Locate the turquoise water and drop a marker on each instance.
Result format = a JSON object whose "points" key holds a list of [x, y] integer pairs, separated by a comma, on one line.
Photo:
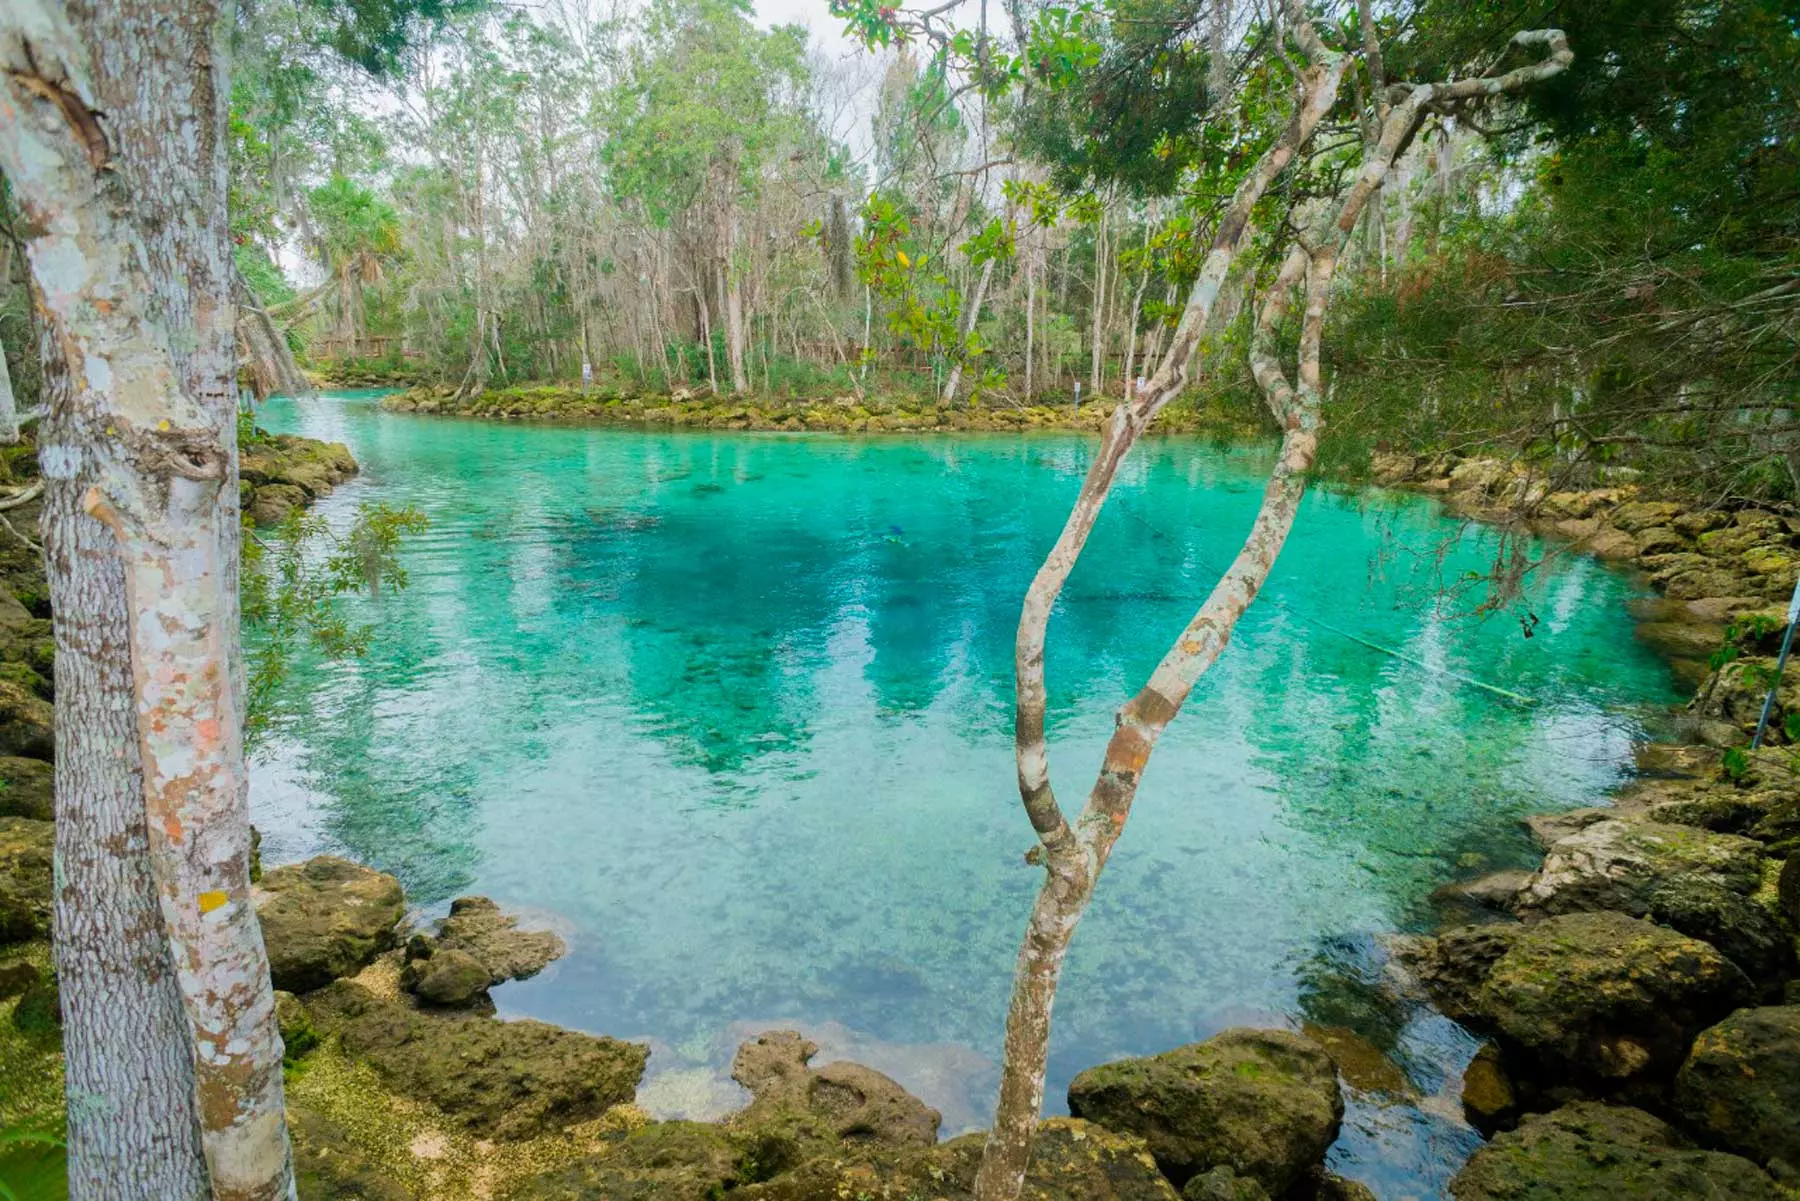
{"points": [[733, 711]]}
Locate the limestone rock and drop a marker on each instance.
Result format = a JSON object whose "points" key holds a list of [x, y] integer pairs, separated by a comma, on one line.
{"points": [[325, 918], [1787, 890], [16, 978], [1547, 829], [271, 503], [479, 927], [297, 1033], [329, 1164], [1637, 515], [27, 723], [25, 788], [1264, 1103], [1617, 864], [507, 1080], [664, 1161], [1488, 1099], [1586, 1151], [1223, 1184], [1600, 999], [1740, 1086], [1659, 540], [798, 1111], [1748, 934], [1778, 826], [449, 978], [1071, 1160], [26, 848]]}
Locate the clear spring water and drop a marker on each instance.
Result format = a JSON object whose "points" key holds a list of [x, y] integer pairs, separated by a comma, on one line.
{"points": [[733, 710]]}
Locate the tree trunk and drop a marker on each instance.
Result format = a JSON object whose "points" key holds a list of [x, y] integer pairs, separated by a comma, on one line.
{"points": [[1073, 861], [9, 408], [128, 1059], [143, 322], [966, 328], [1099, 315], [1074, 855]]}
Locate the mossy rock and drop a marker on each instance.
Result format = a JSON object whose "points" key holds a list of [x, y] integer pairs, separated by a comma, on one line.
{"points": [[1618, 864], [507, 1080], [1637, 515], [1223, 1184], [1599, 1000], [1070, 1160], [664, 1161], [448, 978], [1264, 1103], [26, 852], [1489, 1101], [39, 1009], [798, 1112], [481, 928], [27, 723], [325, 918], [1746, 932], [1740, 1086], [26, 788], [329, 1166], [1778, 826], [298, 1036], [1586, 1151]]}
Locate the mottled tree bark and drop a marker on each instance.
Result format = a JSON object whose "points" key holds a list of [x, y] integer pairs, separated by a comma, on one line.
{"points": [[9, 408], [1073, 857], [111, 133], [128, 1063]]}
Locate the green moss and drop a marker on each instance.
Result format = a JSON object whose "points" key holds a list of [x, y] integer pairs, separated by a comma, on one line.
{"points": [[31, 1062]]}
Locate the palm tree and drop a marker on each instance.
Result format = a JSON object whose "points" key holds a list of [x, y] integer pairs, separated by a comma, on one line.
{"points": [[355, 235]]}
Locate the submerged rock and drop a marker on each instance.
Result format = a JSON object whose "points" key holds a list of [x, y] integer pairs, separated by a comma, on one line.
{"points": [[1618, 864], [1597, 999], [1740, 1086], [1586, 1150], [1264, 1103], [509, 1080], [324, 919], [26, 850]]}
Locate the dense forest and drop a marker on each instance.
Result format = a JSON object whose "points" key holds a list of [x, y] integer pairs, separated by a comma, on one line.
{"points": [[686, 200], [1540, 258]]}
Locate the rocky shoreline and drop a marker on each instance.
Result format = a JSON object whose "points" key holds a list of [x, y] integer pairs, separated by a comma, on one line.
{"points": [[1638, 989], [845, 414]]}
